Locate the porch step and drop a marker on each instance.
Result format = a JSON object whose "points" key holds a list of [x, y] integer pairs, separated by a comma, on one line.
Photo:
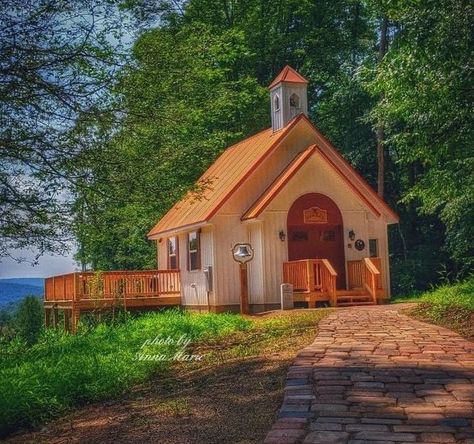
{"points": [[353, 292], [351, 304], [354, 298]]}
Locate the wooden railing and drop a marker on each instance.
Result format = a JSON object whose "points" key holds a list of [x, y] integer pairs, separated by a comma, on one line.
{"points": [[112, 285], [328, 281], [311, 275], [355, 270], [370, 274]]}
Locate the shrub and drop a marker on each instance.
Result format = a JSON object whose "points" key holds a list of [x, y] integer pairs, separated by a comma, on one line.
{"points": [[29, 319]]}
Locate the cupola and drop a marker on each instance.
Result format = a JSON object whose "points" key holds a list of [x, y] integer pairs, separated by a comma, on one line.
{"points": [[288, 97]]}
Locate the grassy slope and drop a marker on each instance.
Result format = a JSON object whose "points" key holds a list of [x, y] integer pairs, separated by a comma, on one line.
{"points": [[241, 377], [63, 370], [450, 306]]}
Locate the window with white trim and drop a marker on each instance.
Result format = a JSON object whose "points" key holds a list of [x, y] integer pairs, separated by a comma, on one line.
{"points": [[373, 247], [194, 251], [173, 257]]}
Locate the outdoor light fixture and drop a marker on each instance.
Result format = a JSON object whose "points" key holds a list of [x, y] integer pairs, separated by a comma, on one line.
{"points": [[242, 253], [352, 235], [282, 235]]}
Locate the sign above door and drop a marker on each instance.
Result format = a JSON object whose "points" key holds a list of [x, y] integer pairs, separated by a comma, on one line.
{"points": [[315, 215]]}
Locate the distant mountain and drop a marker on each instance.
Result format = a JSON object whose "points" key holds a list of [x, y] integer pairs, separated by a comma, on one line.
{"points": [[14, 289], [36, 282]]}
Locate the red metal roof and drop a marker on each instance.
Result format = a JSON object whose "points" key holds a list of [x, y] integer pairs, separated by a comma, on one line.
{"points": [[289, 75], [222, 178]]}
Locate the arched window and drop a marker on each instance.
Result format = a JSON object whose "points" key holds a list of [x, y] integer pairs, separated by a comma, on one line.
{"points": [[295, 107], [276, 103]]}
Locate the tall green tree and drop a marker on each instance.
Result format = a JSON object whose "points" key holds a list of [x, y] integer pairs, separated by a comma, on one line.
{"points": [[426, 81], [184, 104], [197, 84], [57, 59]]}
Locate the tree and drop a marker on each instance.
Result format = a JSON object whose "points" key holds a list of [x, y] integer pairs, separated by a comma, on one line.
{"points": [[57, 58], [29, 319], [187, 96], [426, 80]]}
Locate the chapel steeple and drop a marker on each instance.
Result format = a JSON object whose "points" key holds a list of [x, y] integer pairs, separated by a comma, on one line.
{"points": [[288, 96]]}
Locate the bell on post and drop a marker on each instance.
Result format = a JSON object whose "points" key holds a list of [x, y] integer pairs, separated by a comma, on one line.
{"points": [[242, 253]]}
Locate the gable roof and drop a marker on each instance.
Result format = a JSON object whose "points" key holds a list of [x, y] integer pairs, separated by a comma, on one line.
{"points": [[239, 161], [352, 176], [221, 180], [279, 183], [289, 75]]}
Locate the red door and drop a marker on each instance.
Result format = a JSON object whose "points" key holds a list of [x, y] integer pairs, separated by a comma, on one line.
{"points": [[315, 231]]}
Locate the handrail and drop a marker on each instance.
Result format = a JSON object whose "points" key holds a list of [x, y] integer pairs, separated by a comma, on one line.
{"points": [[329, 267], [369, 278], [328, 279], [310, 275], [371, 266]]}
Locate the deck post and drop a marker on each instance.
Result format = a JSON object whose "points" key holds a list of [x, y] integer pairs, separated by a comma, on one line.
{"points": [[67, 319], [47, 317], [55, 317], [244, 290], [310, 275], [76, 314]]}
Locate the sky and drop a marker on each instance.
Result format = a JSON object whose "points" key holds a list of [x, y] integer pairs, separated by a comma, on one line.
{"points": [[47, 266]]}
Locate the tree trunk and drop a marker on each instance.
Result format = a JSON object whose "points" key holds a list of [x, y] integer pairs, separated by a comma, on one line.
{"points": [[380, 133]]}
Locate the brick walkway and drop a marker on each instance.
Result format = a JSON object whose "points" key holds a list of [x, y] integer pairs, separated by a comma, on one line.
{"points": [[375, 376]]}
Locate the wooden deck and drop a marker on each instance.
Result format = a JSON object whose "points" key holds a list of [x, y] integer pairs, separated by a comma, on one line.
{"points": [[79, 292], [314, 281]]}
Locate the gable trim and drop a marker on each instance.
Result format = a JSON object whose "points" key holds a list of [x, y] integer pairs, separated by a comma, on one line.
{"points": [[328, 145], [293, 167], [348, 182], [285, 132], [278, 184]]}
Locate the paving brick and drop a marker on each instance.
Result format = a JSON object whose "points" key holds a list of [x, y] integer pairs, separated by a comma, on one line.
{"points": [[387, 436], [322, 437], [444, 438], [375, 376]]}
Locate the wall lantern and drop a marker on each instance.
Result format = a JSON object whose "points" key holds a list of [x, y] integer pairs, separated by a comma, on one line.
{"points": [[243, 253], [282, 235], [352, 235]]}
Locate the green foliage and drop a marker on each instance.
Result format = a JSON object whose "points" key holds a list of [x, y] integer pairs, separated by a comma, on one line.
{"points": [[58, 59], [198, 84], [29, 319], [450, 305], [426, 81], [60, 370], [460, 294]]}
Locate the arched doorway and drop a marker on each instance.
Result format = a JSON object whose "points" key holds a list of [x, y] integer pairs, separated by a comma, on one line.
{"points": [[315, 231]]}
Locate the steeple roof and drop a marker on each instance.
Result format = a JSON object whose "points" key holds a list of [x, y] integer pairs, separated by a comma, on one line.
{"points": [[289, 75]]}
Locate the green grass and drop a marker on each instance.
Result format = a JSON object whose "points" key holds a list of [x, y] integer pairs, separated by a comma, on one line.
{"points": [[62, 371], [453, 295], [451, 306]]}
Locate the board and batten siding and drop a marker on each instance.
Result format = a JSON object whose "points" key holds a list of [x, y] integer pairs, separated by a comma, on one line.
{"points": [[228, 230], [316, 176], [193, 283], [256, 274]]}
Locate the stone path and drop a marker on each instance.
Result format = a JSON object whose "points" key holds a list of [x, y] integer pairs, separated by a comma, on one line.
{"points": [[375, 376]]}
